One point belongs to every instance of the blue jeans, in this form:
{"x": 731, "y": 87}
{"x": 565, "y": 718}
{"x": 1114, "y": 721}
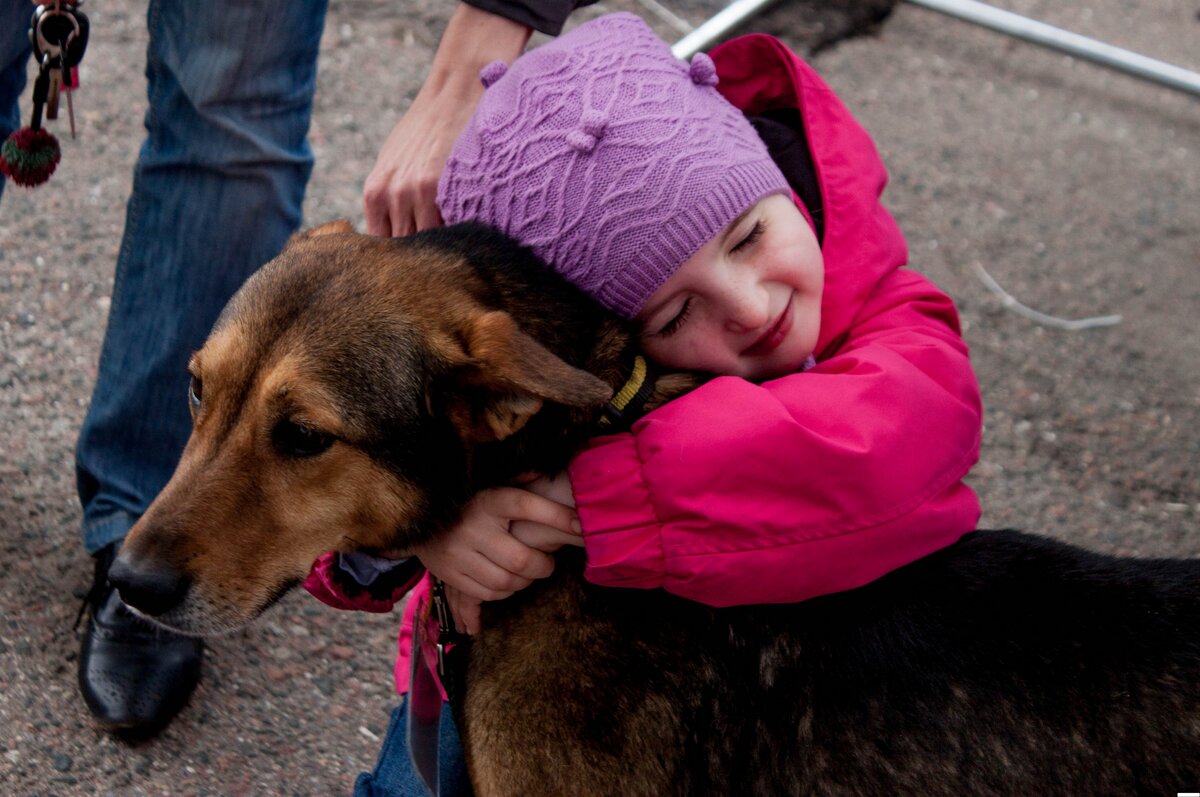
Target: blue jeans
{"x": 14, "y": 55}
{"x": 394, "y": 775}
{"x": 217, "y": 190}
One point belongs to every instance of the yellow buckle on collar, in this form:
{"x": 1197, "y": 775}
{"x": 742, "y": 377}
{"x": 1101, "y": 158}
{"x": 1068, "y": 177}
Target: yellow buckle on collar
{"x": 627, "y": 392}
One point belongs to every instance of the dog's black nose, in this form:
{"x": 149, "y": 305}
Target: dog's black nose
{"x": 152, "y": 588}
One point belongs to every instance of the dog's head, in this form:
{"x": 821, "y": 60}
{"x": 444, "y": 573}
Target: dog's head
{"x": 344, "y": 401}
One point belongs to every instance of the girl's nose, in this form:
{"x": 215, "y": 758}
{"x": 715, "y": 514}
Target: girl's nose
{"x": 747, "y": 309}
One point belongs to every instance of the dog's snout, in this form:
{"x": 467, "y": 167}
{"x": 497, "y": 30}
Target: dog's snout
{"x": 150, "y": 587}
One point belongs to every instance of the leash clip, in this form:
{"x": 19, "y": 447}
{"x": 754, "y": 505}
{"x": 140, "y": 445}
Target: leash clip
{"x": 447, "y": 633}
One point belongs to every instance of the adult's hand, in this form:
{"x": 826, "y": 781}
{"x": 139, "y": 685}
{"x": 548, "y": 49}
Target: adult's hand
{"x": 399, "y": 196}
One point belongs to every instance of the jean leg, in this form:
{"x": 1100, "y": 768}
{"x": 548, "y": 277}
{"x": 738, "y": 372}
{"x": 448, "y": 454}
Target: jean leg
{"x": 217, "y": 190}
{"x": 394, "y": 775}
{"x": 14, "y": 57}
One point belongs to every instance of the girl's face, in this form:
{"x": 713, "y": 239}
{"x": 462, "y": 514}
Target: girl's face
{"x": 747, "y": 304}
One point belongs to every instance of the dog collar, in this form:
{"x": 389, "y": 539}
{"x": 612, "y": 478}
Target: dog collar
{"x": 630, "y": 401}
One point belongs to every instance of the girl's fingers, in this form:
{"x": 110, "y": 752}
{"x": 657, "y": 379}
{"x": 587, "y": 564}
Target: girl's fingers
{"x": 484, "y": 580}
{"x": 464, "y": 609}
{"x": 543, "y": 538}
{"x": 517, "y": 504}
{"x": 516, "y": 558}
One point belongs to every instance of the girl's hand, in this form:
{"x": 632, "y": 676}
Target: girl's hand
{"x": 482, "y": 561}
{"x": 543, "y": 537}
{"x": 464, "y": 610}
{"x": 556, "y": 488}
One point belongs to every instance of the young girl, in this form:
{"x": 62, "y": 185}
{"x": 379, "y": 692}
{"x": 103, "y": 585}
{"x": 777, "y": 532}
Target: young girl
{"x": 732, "y": 206}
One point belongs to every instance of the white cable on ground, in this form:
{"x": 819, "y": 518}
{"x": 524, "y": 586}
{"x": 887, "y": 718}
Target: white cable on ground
{"x": 1041, "y": 318}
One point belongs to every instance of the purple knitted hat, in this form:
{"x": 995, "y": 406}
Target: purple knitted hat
{"x": 613, "y": 160}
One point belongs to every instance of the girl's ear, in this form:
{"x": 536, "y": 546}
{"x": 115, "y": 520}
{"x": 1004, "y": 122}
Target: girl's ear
{"x": 506, "y": 378}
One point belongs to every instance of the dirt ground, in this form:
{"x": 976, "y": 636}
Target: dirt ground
{"x": 1076, "y": 188}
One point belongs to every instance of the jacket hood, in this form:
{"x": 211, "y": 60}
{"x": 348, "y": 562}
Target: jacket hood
{"x": 861, "y": 242}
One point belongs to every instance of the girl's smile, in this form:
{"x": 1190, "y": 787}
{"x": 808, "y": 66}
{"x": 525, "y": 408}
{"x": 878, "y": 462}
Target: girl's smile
{"x": 773, "y": 336}
{"x": 747, "y": 303}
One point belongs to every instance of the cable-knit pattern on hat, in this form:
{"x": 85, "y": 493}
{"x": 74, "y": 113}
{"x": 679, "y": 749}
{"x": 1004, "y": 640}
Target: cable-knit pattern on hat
{"x": 602, "y": 153}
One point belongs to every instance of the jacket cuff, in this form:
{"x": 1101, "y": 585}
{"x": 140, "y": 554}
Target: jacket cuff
{"x": 622, "y": 533}
{"x": 331, "y": 584}
{"x": 544, "y": 17}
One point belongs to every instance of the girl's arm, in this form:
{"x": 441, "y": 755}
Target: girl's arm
{"x": 500, "y": 545}
{"x": 819, "y": 482}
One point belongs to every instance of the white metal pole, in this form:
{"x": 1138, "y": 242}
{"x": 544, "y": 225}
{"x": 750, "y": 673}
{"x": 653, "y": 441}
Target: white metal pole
{"x": 1015, "y": 25}
{"x": 717, "y": 26}
{"x": 1065, "y": 41}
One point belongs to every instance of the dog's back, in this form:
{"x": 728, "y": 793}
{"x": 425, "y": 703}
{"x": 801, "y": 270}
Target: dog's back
{"x": 1005, "y": 664}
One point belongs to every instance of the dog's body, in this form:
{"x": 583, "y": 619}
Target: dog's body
{"x": 358, "y": 391}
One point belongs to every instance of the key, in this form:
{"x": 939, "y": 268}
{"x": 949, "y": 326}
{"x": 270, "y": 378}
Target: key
{"x": 69, "y": 91}
{"x": 60, "y": 30}
{"x": 56, "y": 80}
{"x": 41, "y": 90}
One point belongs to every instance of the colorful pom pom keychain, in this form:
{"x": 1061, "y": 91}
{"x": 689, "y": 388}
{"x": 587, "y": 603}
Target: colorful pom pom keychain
{"x": 58, "y": 32}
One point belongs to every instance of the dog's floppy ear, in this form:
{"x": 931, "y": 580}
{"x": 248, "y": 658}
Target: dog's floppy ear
{"x": 328, "y": 228}
{"x": 507, "y": 378}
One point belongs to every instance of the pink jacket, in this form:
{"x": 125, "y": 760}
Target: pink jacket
{"x": 741, "y": 493}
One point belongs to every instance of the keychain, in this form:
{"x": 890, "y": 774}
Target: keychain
{"x": 58, "y": 32}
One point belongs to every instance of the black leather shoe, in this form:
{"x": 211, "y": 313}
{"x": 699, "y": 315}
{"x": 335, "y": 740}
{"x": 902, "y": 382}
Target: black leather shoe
{"x": 134, "y": 676}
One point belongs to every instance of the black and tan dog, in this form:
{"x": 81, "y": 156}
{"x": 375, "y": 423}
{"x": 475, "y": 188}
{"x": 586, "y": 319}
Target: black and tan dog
{"x": 358, "y": 391}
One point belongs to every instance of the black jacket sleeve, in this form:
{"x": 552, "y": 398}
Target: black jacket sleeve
{"x": 546, "y": 16}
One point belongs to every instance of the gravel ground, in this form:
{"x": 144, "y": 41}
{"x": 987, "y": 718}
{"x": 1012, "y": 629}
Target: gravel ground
{"x": 1075, "y": 187}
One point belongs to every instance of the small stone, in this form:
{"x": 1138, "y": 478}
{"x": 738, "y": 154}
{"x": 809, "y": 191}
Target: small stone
{"x": 341, "y": 652}
{"x": 61, "y": 762}
{"x": 278, "y": 674}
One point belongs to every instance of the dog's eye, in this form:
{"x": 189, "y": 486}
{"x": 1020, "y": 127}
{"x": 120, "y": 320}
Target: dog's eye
{"x": 195, "y": 391}
{"x": 298, "y": 440}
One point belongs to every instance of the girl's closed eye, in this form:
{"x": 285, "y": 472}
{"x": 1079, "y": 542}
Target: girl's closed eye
{"x": 672, "y": 326}
{"x": 751, "y": 237}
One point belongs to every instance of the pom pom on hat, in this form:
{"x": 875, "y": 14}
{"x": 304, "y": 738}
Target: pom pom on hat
{"x": 492, "y": 72}
{"x": 703, "y": 71}
{"x": 591, "y": 130}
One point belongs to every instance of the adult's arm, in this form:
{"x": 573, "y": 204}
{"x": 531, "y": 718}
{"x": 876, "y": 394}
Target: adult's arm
{"x": 399, "y": 196}
{"x": 400, "y": 193}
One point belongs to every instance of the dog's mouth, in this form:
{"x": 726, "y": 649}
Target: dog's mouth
{"x": 199, "y": 616}
{"x": 277, "y": 594}
{"x": 183, "y": 621}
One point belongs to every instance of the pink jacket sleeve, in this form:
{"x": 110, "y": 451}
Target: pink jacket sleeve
{"x": 818, "y": 482}
{"x": 330, "y": 586}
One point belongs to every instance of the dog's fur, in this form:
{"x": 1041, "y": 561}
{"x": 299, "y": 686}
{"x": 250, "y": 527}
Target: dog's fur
{"x": 357, "y": 391}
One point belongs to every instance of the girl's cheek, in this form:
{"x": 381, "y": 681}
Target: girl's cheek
{"x": 670, "y": 353}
